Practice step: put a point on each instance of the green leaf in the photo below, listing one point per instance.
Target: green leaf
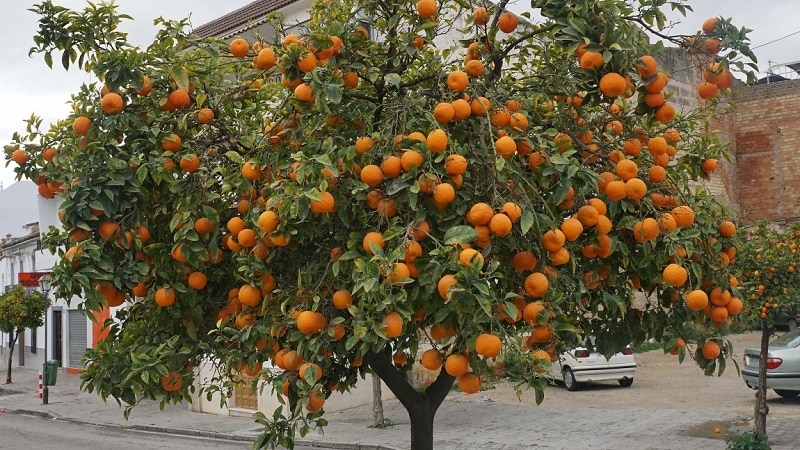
(461, 234)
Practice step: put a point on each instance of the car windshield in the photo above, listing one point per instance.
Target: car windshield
(790, 339)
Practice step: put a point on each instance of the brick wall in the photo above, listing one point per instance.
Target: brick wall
(766, 131)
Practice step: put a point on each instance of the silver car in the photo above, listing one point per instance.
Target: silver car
(581, 365)
(783, 365)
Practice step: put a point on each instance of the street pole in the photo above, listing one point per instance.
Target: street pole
(44, 284)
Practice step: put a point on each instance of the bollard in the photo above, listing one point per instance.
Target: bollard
(41, 388)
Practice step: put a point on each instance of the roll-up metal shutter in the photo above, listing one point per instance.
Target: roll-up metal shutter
(77, 337)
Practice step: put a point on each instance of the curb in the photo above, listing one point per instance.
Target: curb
(31, 412)
(339, 445)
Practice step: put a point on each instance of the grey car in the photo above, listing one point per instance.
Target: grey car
(783, 365)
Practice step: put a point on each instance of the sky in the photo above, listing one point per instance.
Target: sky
(28, 86)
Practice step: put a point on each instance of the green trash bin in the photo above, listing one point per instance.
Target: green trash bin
(51, 372)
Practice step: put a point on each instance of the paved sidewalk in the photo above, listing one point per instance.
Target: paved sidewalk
(463, 422)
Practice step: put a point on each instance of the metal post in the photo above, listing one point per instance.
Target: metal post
(45, 392)
(44, 284)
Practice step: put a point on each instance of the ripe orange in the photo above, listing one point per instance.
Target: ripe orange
(373, 237)
(710, 350)
(648, 66)
(592, 60)
(81, 125)
(190, 163)
(316, 400)
(572, 229)
(364, 144)
(479, 214)
(500, 225)
(480, 106)
(304, 92)
(203, 225)
(684, 216)
(635, 189)
(342, 299)
(411, 159)
(675, 275)
(507, 22)
(457, 80)
(392, 167)
(658, 84)
(267, 221)
(392, 325)
(696, 300)
(469, 256)
(488, 345)
(265, 59)
(709, 165)
(371, 175)
(205, 115)
(315, 371)
(308, 322)
(456, 365)
(437, 141)
(512, 210)
(427, 8)
(505, 146)
(165, 297)
(171, 143)
(536, 285)
(612, 85)
(443, 112)
(198, 280)
(523, 261)
(474, 68)
(443, 286)
(325, 204)
(179, 99)
(431, 359)
(552, 240)
(645, 230)
(455, 165)
(531, 312)
(111, 103)
(239, 47)
(726, 228)
(665, 113)
(626, 169)
(172, 382)
(480, 16)
(708, 25)
(587, 215)
(707, 90)
(249, 295)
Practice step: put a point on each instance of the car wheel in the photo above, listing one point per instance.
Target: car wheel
(569, 379)
(787, 394)
(792, 324)
(626, 382)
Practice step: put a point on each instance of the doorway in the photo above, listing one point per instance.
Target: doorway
(58, 336)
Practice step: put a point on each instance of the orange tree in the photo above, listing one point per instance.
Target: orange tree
(771, 284)
(401, 181)
(20, 309)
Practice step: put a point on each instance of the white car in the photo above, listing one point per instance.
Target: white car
(783, 365)
(580, 365)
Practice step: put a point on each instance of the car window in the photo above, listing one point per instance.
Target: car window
(790, 339)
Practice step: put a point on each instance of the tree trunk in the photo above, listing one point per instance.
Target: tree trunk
(11, 355)
(378, 420)
(761, 408)
(421, 406)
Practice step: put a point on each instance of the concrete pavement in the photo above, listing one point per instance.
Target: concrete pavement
(463, 422)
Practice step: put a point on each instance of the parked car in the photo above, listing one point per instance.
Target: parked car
(789, 321)
(783, 365)
(581, 365)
